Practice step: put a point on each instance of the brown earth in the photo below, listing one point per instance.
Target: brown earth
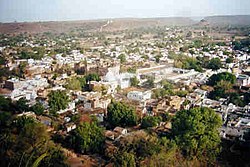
(91, 25)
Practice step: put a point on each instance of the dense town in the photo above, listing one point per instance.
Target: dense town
(101, 94)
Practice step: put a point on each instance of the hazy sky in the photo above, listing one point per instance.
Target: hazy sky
(41, 10)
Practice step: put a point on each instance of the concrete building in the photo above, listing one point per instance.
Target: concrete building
(243, 80)
(139, 96)
(13, 83)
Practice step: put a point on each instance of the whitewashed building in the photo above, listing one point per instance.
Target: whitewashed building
(139, 96)
(243, 80)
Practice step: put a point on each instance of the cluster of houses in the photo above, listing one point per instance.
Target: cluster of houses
(152, 59)
(25, 88)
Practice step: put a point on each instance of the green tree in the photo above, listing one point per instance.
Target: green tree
(22, 69)
(131, 70)
(165, 116)
(242, 44)
(236, 99)
(120, 114)
(25, 142)
(247, 98)
(125, 159)
(24, 55)
(150, 121)
(5, 118)
(33, 134)
(92, 77)
(224, 76)
(196, 133)
(38, 108)
(167, 85)
(226, 85)
(122, 58)
(150, 82)
(145, 57)
(229, 60)
(185, 62)
(217, 93)
(20, 122)
(82, 81)
(197, 44)
(58, 100)
(87, 138)
(157, 58)
(134, 81)
(181, 93)
(162, 92)
(21, 105)
(5, 104)
(220, 90)
(2, 60)
(55, 158)
(170, 157)
(159, 93)
(5, 73)
(214, 64)
(186, 102)
(140, 143)
(73, 84)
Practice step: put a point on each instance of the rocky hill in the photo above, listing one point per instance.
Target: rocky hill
(93, 25)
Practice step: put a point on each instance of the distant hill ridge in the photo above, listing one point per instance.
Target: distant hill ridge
(234, 20)
(117, 24)
(92, 25)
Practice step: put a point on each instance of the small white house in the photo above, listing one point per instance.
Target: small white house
(114, 79)
(139, 96)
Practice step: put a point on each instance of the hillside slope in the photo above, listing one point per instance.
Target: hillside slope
(94, 25)
(237, 20)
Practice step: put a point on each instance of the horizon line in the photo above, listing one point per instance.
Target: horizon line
(117, 18)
